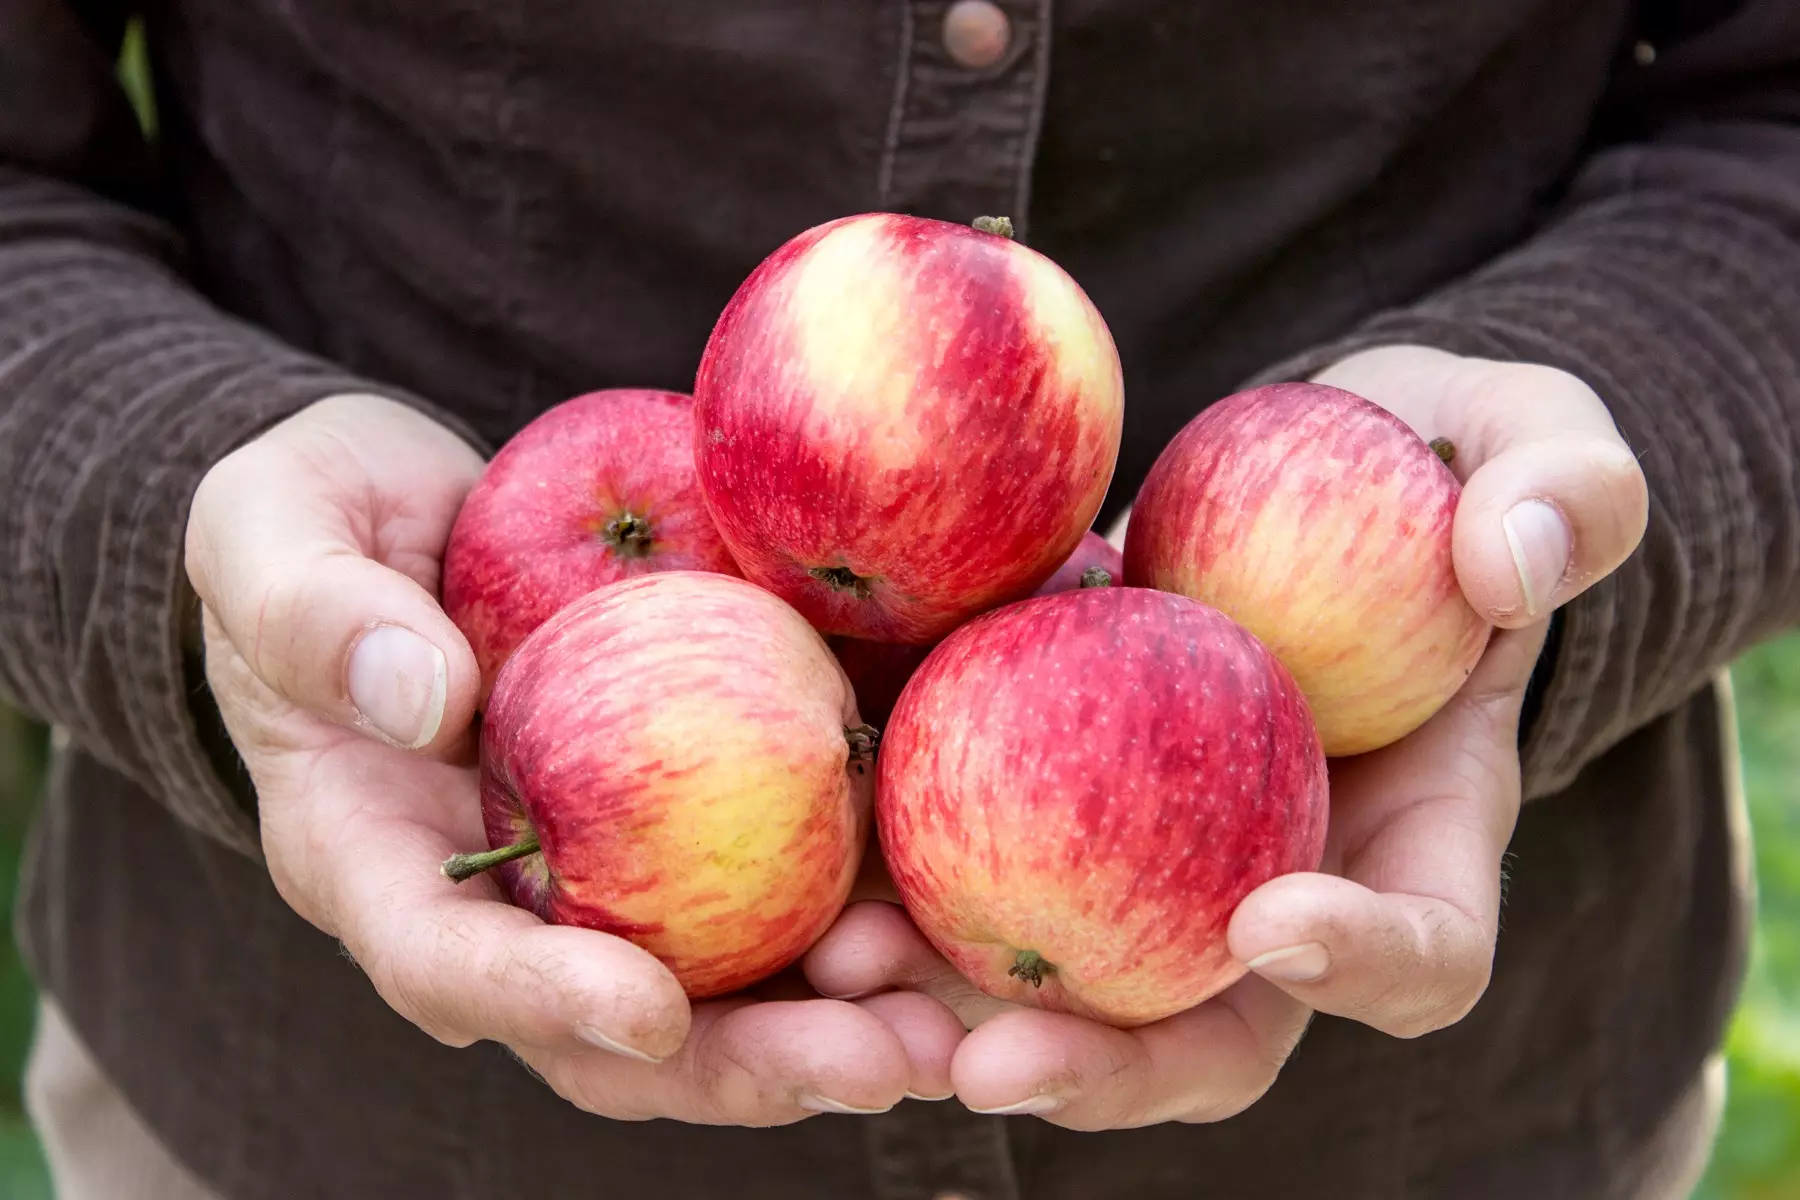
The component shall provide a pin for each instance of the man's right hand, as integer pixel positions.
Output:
(316, 551)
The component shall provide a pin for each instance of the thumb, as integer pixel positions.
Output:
(320, 562)
(1553, 499)
(1543, 520)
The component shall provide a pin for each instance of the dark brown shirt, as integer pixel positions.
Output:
(485, 206)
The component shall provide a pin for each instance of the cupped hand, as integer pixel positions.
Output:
(316, 551)
(1397, 929)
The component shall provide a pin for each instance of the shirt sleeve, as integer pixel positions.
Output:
(1669, 281)
(119, 386)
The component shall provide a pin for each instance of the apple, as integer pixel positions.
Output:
(879, 670)
(597, 489)
(677, 759)
(1075, 792)
(903, 422)
(1321, 522)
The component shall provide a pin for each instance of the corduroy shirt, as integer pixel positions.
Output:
(483, 207)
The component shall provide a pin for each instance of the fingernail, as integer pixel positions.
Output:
(397, 682)
(1042, 1103)
(930, 1099)
(825, 1104)
(600, 1041)
(1541, 544)
(1293, 964)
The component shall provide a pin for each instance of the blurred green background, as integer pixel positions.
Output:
(1758, 1152)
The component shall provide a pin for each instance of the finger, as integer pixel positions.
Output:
(1404, 942)
(747, 1063)
(874, 947)
(928, 1030)
(283, 538)
(1541, 521)
(459, 961)
(1205, 1064)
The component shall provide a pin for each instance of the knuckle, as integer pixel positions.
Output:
(725, 1090)
(584, 1083)
(1235, 1100)
(411, 983)
(1447, 1001)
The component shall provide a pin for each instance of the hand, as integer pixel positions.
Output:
(316, 551)
(1397, 930)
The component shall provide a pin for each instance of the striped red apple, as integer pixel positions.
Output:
(1322, 523)
(903, 422)
(677, 759)
(1076, 791)
(597, 489)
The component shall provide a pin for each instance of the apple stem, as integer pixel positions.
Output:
(1095, 577)
(629, 534)
(459, 867)
(864, 741)
(1445, 449)
(998, 226)
(1031, 968)
(842, 579)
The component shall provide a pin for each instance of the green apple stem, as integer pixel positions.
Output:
(1445, 449)
(1096, 577)
(998, 226)
(1031, 968)
(459, 867)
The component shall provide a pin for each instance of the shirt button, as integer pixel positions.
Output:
(976, 34)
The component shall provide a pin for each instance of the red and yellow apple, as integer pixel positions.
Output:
(677, 759)
(1322, 523)
(1076, 791)
(597, 489)
(879, 670)
(903, 422)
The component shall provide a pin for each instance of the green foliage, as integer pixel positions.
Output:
(22, 754)
(134, 75)
(1758, 1153)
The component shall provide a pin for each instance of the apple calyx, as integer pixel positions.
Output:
(459, 867)
(1095, 577)
(842, 579)
(1444, 448)
(864, 741)
(998, 226)
(1031, 968)
(628, 534)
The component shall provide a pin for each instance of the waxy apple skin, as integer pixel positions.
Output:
(597, 489)
(677, 743)
(879, 670)
(1321, 522)
(1097, 777)
(903, 422)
